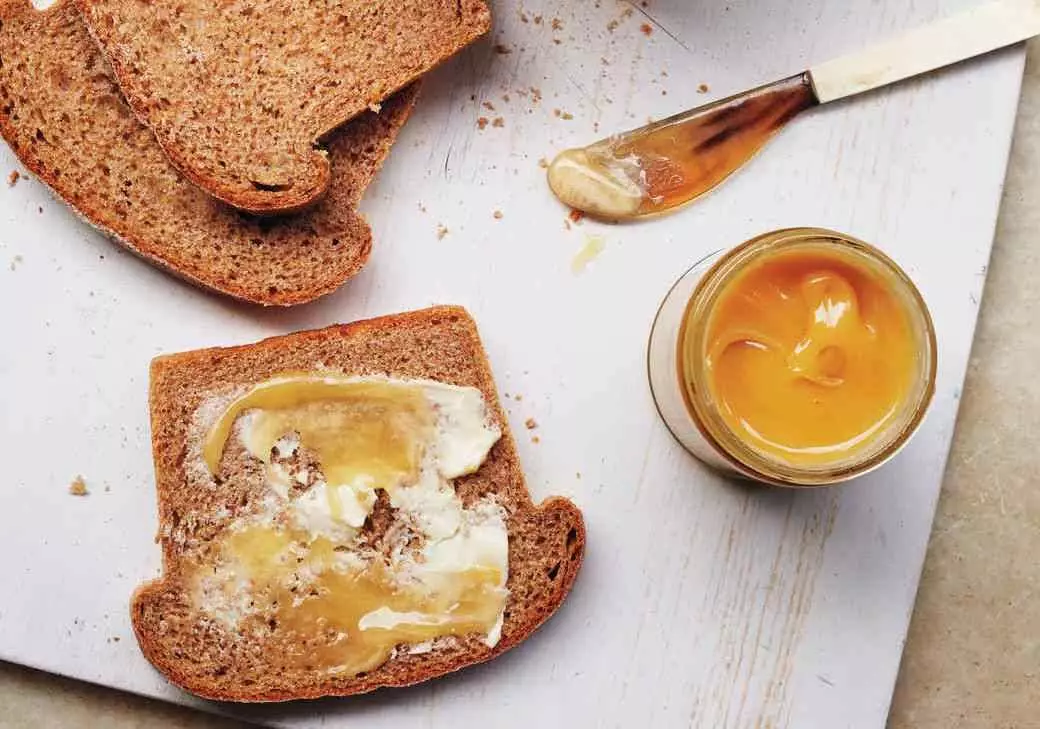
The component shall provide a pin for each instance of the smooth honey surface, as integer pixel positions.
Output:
(810, 355)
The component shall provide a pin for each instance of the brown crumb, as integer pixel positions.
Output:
(538, 20)
(530, 424)
(576, 216)
(543, 163)
(499, 122)
(482, 123)
(557, 112)
(613, 25)
(505, 98)
(12, 179)
(647, 29)
(535, 439)
(78, 487)
(536, 94)
(518, 398)
(502, 50)
(488, 105)
(566, 116)
(442, 230)
(703, 89)
(557, 24)
(497, 215)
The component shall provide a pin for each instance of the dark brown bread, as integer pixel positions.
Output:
(63, 115)
(546, 542)
(238, 93)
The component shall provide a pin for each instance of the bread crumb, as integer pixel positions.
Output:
(499, 122)
(482, 123)
(566, 116)
(78, 487)
(12, 179)
(442, 230)
(488, 105)
(518, 398)
(502, 50)
(703, 89)
(594, 245)
(613, 25)
(535, 439)
(497, 215)
(538, 20)
(647, 29)
(375, 108)
(530, 424)
(524, 18)
(576, 216)
(536, 94)
(543, 163)
(422, 208)
(557, 24)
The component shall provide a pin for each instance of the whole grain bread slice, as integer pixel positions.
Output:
(546, 542)
(240, 93)
(63, 115)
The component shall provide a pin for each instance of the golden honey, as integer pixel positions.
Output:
(803, 357)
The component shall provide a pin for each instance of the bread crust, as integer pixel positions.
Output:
(240, 95)
(65, 119)
(546, 541)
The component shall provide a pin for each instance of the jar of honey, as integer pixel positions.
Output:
(801, 358)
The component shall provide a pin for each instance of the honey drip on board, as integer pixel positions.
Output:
(810, 355)
(672, 162)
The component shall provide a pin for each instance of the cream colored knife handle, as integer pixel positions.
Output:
(965, 35)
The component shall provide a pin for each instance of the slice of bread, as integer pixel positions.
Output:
(546, 542)
(63, 115)
(239, 93)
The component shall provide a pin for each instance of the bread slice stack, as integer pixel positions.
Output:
(250, 653)
(228, 143)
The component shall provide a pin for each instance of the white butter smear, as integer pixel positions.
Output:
(454, 538)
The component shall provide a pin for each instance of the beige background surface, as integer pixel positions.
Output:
(973, 654)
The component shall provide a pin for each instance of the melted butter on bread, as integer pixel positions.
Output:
(303, 567)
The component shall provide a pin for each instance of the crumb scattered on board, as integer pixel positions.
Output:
(543, 163)
(594, 245)
(647, 29)
(497, 215)
(482, 123)
(576, 216)
(499, 122)
(518, 398)
(703, 89)
(12, 179)
(535, 439)
(78, 487)
(531, 424)
(442, 230)
(502, 49)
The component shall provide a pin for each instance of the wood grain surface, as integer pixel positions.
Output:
(702, 602)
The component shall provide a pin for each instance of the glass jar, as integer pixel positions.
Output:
(678, 367)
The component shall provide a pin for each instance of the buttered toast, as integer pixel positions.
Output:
(342, 510)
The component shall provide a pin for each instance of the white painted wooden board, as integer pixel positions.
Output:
(701, 602)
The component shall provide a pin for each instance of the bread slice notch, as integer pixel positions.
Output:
(240, 93)
(546, 541)
(63, 115)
